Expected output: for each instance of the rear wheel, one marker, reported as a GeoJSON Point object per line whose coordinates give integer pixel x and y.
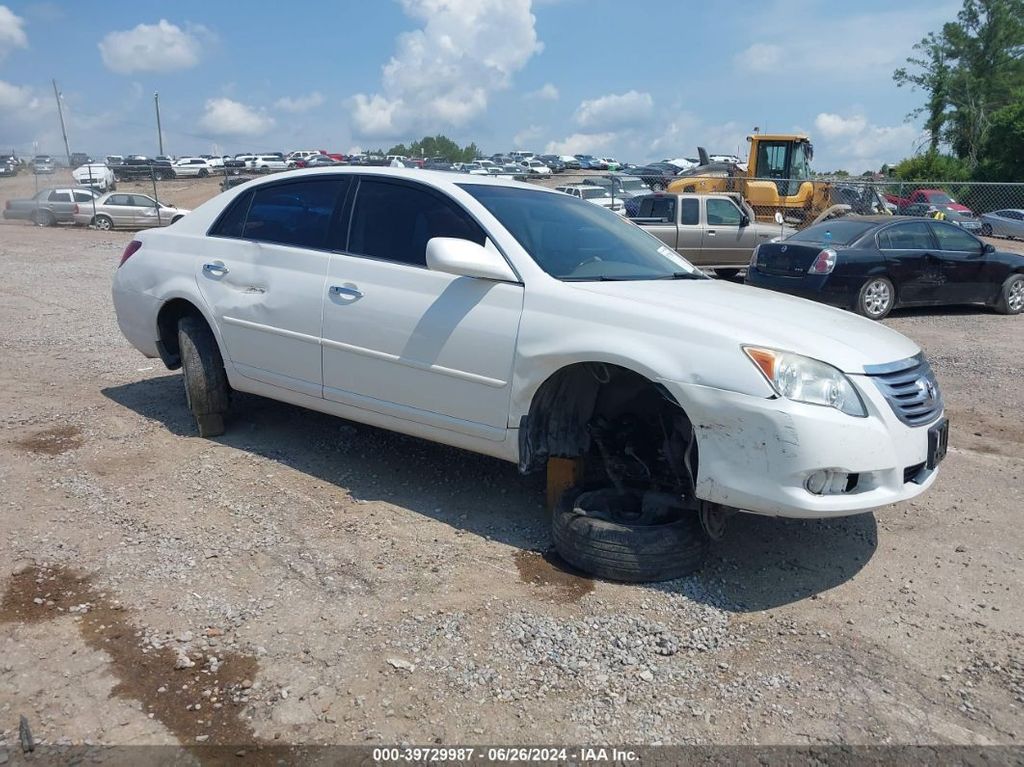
{"type": "Point", "coordinates": [1011, 297]}
{"type": "Point", "coordinates": [158, 175]}
{"type": "Point", "coordinates": [44, 218]}
{"type": "Point", "coordinates": [876, 298]}
{"type": "Point", "coordinates": [103, 222]}
{"type": "Point", "coordinates": [986, 230]}
{"type": "Point", "coordinates": [203, 173]}
{"type": "Point", "coordinates": [206, 384]}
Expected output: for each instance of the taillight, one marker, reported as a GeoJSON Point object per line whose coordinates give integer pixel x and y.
{"type": "Point", "coordinates": [824, 263]}
{"type": "Point", "coordinates": [129, 251]}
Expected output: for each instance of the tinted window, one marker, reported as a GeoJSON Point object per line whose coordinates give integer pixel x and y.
{"type": "Point", "coordinates": [913, 236]}
{"type": "Point", "coordinates": [954, 238]}
{"type": "Point", "coordinates": [232, 220]}
{"type": "Point", "coordinates": [844, 231]}
{"type": "Point", "coordinates": [83, 197]}
{"type": "Point", "coordinates": [658, 207]}
{"type": "Point", "coordinates": [297, 214]}
{"type": "Point", "coordinates": [141, 201]}
{"type": "Point", "coordinates": [117, 199]}
{"type": "Point", "coordinates": [394, 222]}
{"type": "Point", "coordinates": [722, 213]}
{"type": "Point", "coordinates": [689, 212]}
{"type": "Point", "coordinates": [60, 196]}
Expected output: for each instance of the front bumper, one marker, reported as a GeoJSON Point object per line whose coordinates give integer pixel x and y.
{"type": "Point", "coordinates": [755, 454]}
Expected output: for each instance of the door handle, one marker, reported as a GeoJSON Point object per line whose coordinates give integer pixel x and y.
{"type": "Point", "coordinates": [711, 232]}
{"type": "Point", "coordinates": [216, 268]}
{"type": "Point", "coordinates": [345, 290]}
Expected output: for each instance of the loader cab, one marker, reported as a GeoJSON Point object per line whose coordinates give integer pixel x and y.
{"type": "Point", "coordinates": [786, 159]}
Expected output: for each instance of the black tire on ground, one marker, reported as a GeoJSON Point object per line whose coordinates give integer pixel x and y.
{"type": "Point", "coordinates": [618, 551]}
{"type": "Point", "coordinates": [727, 274]}
{"type": "Point", "coordinates": [103, 222]}
{"type": "Point", "coordinates": [44, 218]}
{"type": "Point", "coordinates": [203, 173]}
{"type": "Point", "coordinates": [158, 175]}
{"type": "Point", "coordinates": [1011, 296]}
{"type": "Point", "coordinates": [986, 230]}
{"type": "Point", "coordinates": [206, 384]}
{"type": "Point", "coordinates": [876, 298]}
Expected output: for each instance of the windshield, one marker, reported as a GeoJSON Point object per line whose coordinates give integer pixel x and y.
{"type": "Point", "coordinates": [590, 194]}
{"type": "Point", "coordinates": [843, 232]}
{"type": "Point", "coordinates": [940, 198]}
{"type": "Point", "coordinates": [577, 241]}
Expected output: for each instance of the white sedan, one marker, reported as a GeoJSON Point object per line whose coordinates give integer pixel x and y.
{"type": "Point", "coordinates": [598, 195]}
{"type": "Point", "coordinates": [533, 326]}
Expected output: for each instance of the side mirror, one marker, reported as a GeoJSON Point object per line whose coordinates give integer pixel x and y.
{"type": "Point", "coordinates": [463, 258]}
{"type": "Point", "coordinates": [988, 247]}
{"type": "Point", "coordinates": [744, 220]}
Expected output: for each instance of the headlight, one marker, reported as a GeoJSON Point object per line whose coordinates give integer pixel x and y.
{"type": "Point", "coordinates": [803, 379]}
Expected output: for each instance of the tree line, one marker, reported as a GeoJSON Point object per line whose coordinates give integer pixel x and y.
{"type": "Point", "coordinates": [971, 73]}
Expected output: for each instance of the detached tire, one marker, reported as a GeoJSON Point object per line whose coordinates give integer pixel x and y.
{"type": "Point", "coordinates": [616, 550]}
{"type": "Point", "coordinates": [206, 384]}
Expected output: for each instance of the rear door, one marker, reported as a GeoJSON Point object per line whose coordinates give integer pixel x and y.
{"type": "Point", "coordinates": [262, 272]}
{"type": "Point", "coordinates": [964, 266]}
{"type": "Point", "coordinates": [912, 258]}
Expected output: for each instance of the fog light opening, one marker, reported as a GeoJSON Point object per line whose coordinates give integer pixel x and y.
{"type": "Point", "coordinates": [830, 482]}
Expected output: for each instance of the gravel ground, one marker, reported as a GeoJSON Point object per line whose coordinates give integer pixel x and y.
{"type": "Point", "coordinates": [307, 580]}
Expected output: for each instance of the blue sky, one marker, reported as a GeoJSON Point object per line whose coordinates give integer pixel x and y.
{"type": "Point", "coordinates": [635, 81]}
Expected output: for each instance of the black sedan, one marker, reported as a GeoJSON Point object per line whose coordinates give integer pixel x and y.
{"type": "Point", "coordinates": [873, 263]}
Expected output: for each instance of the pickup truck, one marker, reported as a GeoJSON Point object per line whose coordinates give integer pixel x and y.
{"type": "Point", "coordinates": [935, 197]}
{"type": "Point", "coordinates": [142, 168]}
{"type": "Point", "coordinates": [50, 206]}
{"type": "Point", "coordinates": [715, 231]}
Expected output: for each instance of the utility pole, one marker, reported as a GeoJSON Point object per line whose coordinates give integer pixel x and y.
{"type": "Point", "coordinates": [159, 132]}
{"type": "Point", "coordinates": [63, 129]}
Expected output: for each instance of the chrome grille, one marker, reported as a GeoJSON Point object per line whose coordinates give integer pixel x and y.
{"type": "Point", "coordinates": [910, 388]}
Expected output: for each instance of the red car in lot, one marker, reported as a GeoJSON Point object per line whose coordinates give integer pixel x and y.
{"type": "Point", "coordinates": [935, 197]}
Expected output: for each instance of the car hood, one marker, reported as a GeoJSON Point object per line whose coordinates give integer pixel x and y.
{"type": "Point", "coordinates": [756, 317]}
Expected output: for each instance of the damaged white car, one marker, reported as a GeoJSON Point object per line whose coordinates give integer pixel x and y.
{"type": "Point", "coordinates": [532, 326]}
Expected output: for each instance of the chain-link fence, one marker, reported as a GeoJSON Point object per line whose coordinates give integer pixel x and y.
{"type": "Point", "coordinates": [989, 209]}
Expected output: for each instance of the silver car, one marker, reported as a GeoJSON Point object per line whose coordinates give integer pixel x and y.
{"type": "Point", "coordinates": [130, 211]}
{"type": "Point", "coordinates": [1008, 222]}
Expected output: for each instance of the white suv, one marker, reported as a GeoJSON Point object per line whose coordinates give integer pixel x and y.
{"type": "Point", "coordinates": [265, 163]}
{"type": "Point", "coordinates": [198, 167]}
{"type": "Point", "coordinates": [533, 326]}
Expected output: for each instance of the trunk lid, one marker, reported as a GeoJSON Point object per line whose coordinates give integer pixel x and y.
{"type": "Point", "coordinates": [787, 259]}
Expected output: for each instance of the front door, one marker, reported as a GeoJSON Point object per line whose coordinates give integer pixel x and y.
{"type": "Point", "coordinates": [963, 265]}
{"type": "Point", "coordinates": [726, 241]}
{"type": "Point", "coordinates": [262, 272]}
{"type": "Point", "coordinates": [405, 341]}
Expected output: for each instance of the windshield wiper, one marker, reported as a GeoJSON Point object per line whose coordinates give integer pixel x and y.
{"type": "Point", "coordinates": [681, 276]}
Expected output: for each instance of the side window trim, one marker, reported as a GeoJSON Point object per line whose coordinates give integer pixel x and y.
{"type": "Point", "coordinates": [931, 235]}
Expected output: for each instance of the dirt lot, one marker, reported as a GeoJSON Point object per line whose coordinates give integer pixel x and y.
{"type": "Point", "coordinates": [306, 580]}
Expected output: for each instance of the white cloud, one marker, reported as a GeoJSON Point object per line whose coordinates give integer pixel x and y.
{"type": "Point", "coordinates": [443, 74]}
{"type": "Point", "coordinates": [161, 47]}
{"type": "Point", "coordinates": [528, 135]}
{"type": "Point", "coordinates": [546, 92]}
{"type": "Point", "coordinates": [15, 98]}
{"type": "Point", "coordinates": [856, 144]}
{"type": "Point", "coordinates": [834, 126]}
{"type": "Point", "coordinates": [225, 117]}
{"type": "Point", "coordinates": [615, 110]}
{"type": "Point", "coordinates": [299, 103]}
{"type": "Point", "coordinates": [580, 143]}
{"type": "Point", "coordinates": [12, 35]}
{"type": "Point", "coordinates": [759, 57]}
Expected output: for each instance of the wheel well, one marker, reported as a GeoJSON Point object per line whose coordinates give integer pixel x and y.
{"type": "Point", "coordinates": [624, 425]}
{"type": "Point", "coordinates": [167, 329]}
